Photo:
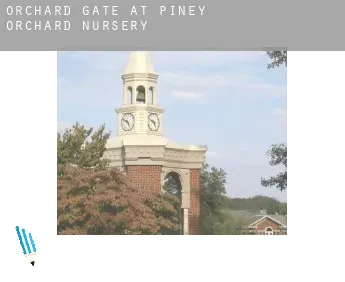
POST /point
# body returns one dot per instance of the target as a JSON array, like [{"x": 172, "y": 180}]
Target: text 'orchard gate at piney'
[{"x": 141, "y": 150}]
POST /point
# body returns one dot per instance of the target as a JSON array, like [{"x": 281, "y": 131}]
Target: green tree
[
  {"x": 278, "y": 156},
  {"x": 213, "y": 199},
  {"x": 277, "y": 153},
  {"x": 227, "y": 224},
  {"x": 82, "y": 146},
  {"x": 172, "y": 186},
  {"x": 255, "y": 204},
  {"x": 283, "y": 209},
  {"x": 277, "y": 58}
]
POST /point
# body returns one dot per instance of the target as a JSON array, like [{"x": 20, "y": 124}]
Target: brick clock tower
[{"x": 141, "y": 150}]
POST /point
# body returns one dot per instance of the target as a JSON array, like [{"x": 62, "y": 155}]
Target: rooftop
[{"x": 139, "y": 62}]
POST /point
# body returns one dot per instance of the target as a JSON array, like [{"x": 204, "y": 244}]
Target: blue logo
[{"x": 29, "y": 248}]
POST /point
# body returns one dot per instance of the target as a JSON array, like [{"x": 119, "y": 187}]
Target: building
[
  {"x": 263, "y": 224},
  {"x": 140, "y": 149}
]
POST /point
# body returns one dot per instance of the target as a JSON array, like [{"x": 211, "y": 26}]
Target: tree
[
  {"x": 213, "y": 217},
  {"x": 227, "y": 224},
  {"x": 95, "y": 202},
  {"x": 282, "y": 209},
  {"x": 172, "y": 186},
  {"x": 256, "y": 204},
  {"x": 278, "y": 153},
  {"x": 213, "y": 199},
  {"x": 278, "y": 156},
  {"x": 82, "y": 146},
  {"x": 278, "y": 58}
]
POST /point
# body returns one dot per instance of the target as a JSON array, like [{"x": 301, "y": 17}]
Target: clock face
[
  {"x": 127, "y": 122},
  {"x": 153, "y": 122}
]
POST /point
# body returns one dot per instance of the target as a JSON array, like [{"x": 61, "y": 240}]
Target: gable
[{"x": 266, "y": 221}]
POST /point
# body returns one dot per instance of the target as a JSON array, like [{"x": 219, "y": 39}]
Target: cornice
[
  {"x": 139, "y": 107},
  {"x": 139, "y": 76}
]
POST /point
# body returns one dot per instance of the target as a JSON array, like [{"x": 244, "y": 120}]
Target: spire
[{"x": 139, "y": 62}]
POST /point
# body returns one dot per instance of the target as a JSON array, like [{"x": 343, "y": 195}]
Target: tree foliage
[
  {"x": 172, "y": 185},
  {"x": 277, "y": 153},
  {"x": 278, "y": 157},
  {"x": 213, "y": 196},
  {"x": 82, "y": 146},
  {"x": 256, "y": 204},
  {"x": 104, "y": 202},
  {"x": 95, "y": 199},
  {"x": 216, "y": 218},
  {"x": 277, "y": 58},
  {"x": 212, "y": 182}
]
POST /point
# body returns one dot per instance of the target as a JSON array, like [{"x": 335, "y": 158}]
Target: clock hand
[
  {"x": 152, "y": 120},
  {"x": 153, "y": 125}
]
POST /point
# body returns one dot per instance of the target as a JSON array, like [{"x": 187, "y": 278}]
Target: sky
[{"x": 228, "y": 101}]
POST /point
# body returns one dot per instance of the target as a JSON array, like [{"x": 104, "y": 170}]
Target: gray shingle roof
[
  {"x": 280, "y": 218},
  {"x": 246, "y": 217}
]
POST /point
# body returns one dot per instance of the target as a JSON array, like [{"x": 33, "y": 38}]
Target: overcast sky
[{"x": 228, "y": 101}]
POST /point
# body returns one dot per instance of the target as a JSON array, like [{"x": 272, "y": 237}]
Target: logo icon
[{"x": 29, "y": 249}]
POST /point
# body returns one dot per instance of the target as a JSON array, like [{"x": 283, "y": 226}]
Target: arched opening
[
  {"x": 172, "y": 184},
  {"x": 129, "y": 95},
  {"x": 141, "y": 95},
  {"x": 150, "y": 96},
  {"x": 268, "y": 231}
]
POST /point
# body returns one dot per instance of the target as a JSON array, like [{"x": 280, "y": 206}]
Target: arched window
[
  {"x": 141, "y": 95},
  {"x": 268, "y": 231},
  {"x": 129, "y": 95},
  {"x": 150, "y": 96}
]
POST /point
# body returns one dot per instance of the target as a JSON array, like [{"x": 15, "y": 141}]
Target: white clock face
[
  {"x": 127, "y": 122},
  {"x": 153, "y": 122}
]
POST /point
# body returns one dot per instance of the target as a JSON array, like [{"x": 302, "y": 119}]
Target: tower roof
[{"x": 139, "y": 62}]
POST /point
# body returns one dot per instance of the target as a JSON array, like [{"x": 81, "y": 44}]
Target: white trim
[
  {"x": 269, "y": 232},
  {"x": 184, "y": 178},
  {"x": 255, "y": 223},
  {"x": 185, "y": 222}
]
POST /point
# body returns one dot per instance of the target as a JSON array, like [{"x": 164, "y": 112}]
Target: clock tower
[
  {"x": 139, "y": 113},
  {"x": 142, "y": 152}
]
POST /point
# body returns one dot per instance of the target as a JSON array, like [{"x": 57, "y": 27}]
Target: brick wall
[
  {"x": 149, "y": 177},
  {"x": 267, "y": 223},
  {"x": 145, "y": 177},
  {"x": 194, "y": 211}
]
